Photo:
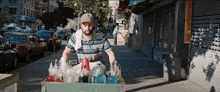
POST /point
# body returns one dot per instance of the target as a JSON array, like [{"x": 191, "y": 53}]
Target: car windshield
[
  {"x": 15, "y": 37},
  {"x": 23, "y": 27}
]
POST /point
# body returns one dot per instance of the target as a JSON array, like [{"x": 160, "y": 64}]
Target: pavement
[{"x": 141, "y": 73}]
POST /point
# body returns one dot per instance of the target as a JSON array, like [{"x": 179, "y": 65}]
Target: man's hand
[
  {"x": 115, "y": 69},
  {"x": 63, "y": 65},
  {"x": 66, "y": 53}
]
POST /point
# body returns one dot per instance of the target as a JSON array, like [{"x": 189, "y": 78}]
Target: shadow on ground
[
  {"x": 136, "y": 66},
  {"x": 150, "y": 86}
]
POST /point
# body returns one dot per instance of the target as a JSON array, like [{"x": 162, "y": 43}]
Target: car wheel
[
  {"x": 42, "y": 53},
  {"x": 27, "y": 57},
  {"x": 15, "y": 63},
  {"x": 54, "y": 47}
]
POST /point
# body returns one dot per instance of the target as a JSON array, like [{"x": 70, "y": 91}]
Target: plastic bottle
[
  {"x": 51, "y": 78},
  {"x": 98, "y": 76},
  {"x": 112, "y": 79}
]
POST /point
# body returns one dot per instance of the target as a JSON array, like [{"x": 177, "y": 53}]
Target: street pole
[
  {"x": 49, "y": 6},
  {"x": 79, "y": 16}
]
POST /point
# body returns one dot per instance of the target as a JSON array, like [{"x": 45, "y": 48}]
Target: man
[{"x": 86, "y": 43}]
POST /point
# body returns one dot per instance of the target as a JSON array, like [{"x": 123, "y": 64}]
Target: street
[
  {"x": 36, "y": 70},
  {"x": 31, "y": 74}
]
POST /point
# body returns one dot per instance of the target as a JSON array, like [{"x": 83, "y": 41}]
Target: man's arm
[
  {"x": 66, "y": 54},
  {"x": 111, "y": 56},
  {"x": 69, "y": 47}
]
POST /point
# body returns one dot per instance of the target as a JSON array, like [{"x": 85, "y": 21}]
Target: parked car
[
  {"x": 25, "y": 29},
  {"x": 26, "y": 45},
  {"x": 12, "y": 27},
  {"x": 53, "y": 40},
  {"x": 8, "y": 57},
  {"x": 64, "y": 34}
]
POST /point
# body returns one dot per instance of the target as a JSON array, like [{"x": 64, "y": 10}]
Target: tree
[
  {"x": 99, "y": 9},
  {"x": 58, "y": 17}
]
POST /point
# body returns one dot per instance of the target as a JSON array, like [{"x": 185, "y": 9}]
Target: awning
[
  {"x": 149, "y": 5},
  {"x": 22, "y": 18}
]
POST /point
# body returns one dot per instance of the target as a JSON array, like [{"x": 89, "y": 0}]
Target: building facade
[
  {"x": 184, "y": 36},
  {"x": 205, "y": 44},
  {"x": 29, "y": 8},
  {"x": 18, "y": 7},
  {"x": 113, "y": 6}
]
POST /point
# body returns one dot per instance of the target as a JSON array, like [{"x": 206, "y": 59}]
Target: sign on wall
[{"x": 112, "y": 3}]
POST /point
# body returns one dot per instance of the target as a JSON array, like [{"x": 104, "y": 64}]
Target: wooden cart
[{"x": 82, "y": 87}]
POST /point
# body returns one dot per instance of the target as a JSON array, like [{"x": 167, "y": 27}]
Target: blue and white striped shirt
[{"x": 91, "y": 49}]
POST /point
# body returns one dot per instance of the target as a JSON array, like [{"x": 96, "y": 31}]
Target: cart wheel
[
  {"x": 15, "y": 63},
  {"x": 27, "y": 57},
  {"x": 42, "y": 53},
  {"x": 54, "y": 47}
]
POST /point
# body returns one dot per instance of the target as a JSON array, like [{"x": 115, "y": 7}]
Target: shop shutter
[{"x": 205, "y": 43}]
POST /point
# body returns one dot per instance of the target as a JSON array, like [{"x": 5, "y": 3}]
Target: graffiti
[
  {"x": 192, "y": 66},
  {"x": 205, "y": 48},
  {"x": 210, "y": 69}
]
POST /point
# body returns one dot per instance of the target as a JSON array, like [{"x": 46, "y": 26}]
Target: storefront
[
  {"x": 205, "y": 44},
  {"x": 163, "y": 27}
]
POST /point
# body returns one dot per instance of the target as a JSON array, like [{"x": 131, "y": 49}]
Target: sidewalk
[{"x": 142, "y": 74}]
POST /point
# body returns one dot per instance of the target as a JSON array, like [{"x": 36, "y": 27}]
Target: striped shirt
[{"x": 91, "y": 49}]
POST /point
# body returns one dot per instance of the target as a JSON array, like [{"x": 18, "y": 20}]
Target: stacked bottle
[
  {"x": 112, "y": 79},
  {"x": 98, "y": 75}
]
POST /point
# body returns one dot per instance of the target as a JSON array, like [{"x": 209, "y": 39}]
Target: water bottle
[
  {"x": 98, "y": 76},
  {"x": 112, "y": 79},
  {"x": 99, "y": 79}
]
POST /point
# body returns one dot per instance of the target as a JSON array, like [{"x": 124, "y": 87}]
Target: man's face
[{"x": 87, "y": 28}]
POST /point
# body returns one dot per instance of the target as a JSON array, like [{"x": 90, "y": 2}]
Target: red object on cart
[
  {"x": 50, "y": 79},
  {"x": 85, "y": 64},
  {"x": 58, "y": 80}
]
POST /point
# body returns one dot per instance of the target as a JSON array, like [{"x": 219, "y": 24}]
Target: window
[
  {"x": 13, "y": 10},
  {"x": 33, "y": 2},
  {"x": 12, "y": 1},
  {"x": 0, "y": 10},
  {"x": 23, "y": 11},
  {"x": 25, "y": 1}
]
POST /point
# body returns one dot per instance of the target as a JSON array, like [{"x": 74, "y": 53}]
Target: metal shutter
[{"x": 205, "y": 43}]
